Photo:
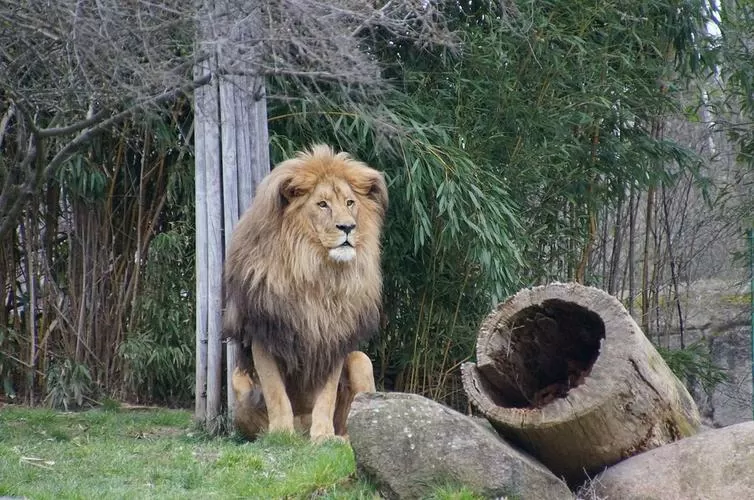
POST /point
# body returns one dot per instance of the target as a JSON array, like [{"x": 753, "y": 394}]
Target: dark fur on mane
[{"x": 308, "y": 363}]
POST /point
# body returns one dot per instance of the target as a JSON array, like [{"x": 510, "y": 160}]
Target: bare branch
[
  {"x": 87, "y": 134},
  {"x": 73, "y": 128},
  {"x": 5, "y": 122}
]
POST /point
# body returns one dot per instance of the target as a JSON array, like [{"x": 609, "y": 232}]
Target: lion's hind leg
[
  {"x": 358, "y": 376},
  {"x": 250, "y": 412}
]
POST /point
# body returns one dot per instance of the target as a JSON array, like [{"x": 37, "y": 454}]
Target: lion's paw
[{"x": 324, "y": 439}]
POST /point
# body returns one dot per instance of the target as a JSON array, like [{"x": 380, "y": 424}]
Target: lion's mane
[{"x": 282, "y": 289}]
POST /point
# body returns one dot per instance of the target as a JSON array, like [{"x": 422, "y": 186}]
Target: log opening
[
  {"x": 552, "y": 349},
  {"x": 564, "y": 372}
]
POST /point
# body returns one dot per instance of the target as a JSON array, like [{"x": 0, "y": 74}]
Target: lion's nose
[{"x": 346, "y": 228}]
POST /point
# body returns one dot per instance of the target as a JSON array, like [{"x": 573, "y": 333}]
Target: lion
[{"x": 303, "y": 288}]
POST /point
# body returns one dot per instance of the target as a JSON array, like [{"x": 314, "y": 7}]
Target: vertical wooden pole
[
  {"x": 232, "y": 158},
  {"x": 245, "y": 154},
  {"x": 200, "y": 118},
  {"x": 213, "y": 181},
  {"x": 231, "y": 166}
]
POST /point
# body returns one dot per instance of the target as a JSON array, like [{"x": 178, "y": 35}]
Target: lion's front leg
[
  {"x": 324, "y": 407},
  {"x": 279, "y": 410}
]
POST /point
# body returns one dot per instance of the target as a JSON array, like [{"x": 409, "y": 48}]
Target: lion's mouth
[{"x": 343, "y": 252}]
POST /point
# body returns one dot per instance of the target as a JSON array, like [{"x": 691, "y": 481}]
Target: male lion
[{"x": 303, "y": 287}]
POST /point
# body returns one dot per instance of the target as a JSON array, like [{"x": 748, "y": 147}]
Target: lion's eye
[
  {"x": 322, "y": 204},
  {"x": 349, "y": 203}
]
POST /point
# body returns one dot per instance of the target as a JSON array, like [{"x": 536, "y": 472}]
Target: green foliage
[
  {"x": 733, "y": 100},
  {"x": 562, "y": 100},
  {"x": 694, "y": 364},
  {"x": 500, "y": 157},
  {"x": 158, "y": 352},
  {"x": 69, "y": 384}
]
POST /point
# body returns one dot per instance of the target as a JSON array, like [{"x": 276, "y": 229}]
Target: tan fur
[
  {"x": 251, "y": 414},
  {"x": 297, "y": 298}
]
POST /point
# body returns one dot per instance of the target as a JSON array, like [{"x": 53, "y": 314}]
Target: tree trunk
[{"x": 565, "y": 372}]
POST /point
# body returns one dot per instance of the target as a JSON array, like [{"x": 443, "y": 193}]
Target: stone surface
[
  {"x": 714, "y": 464},
  {"x": 729, "y": 402},
  {"x": 718, "y": 314},
  {"x": 407, "y": 444}
]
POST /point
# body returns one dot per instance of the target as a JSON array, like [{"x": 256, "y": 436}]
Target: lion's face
[
  {"x": 331, "y": 204},
  {"x": 332, "y": 210}
]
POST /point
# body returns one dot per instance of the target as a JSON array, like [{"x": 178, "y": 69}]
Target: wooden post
[
  {"x": 213, "y": 182},
  {"x": 245, "y": 149},
  {"x": 245, "y": 159},
  {"x": 232, "y": 157},
  {"x": 566, "y": 373},
  {"x": 200, "y": 118}
]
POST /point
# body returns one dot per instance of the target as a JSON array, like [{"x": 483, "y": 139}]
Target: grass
[{"x": 159, "y": 454}]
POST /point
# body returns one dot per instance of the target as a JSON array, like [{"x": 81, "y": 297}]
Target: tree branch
[
  {"x": 87, "y": 134},
  {"x": 70, "y": 129},
  {"x": 4, "y": 123}
]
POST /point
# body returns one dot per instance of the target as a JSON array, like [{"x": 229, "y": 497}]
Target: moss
[{"x": 737, "y": 299}]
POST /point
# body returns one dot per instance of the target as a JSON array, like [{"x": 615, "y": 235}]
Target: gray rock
[
  {"x": 718, "y": 314},
  {"x": 407, "y": 444},
  {"x": 716, "y": 464},
  {"x": 729, "y": 402}
]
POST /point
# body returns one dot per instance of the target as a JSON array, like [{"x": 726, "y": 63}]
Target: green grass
[{"x": 159, "y": 454}]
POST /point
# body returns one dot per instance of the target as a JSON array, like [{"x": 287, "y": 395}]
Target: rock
[
  {"x": 717, "y": 313},
  {"x": 730, "y": 401},
  {"x": 717, "y": 463},
  {"x": 407, "y": 444}
]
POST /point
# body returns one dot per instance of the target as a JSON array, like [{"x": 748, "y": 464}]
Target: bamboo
[{"x": 31, "y": 277}]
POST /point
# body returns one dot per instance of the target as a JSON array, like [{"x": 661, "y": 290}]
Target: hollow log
[{"x": 564, "y": 372}]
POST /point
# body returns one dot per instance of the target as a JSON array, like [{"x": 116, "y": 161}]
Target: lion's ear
[
  {"x": 289, "y": 190},
  {"x": 378, "y": 190},
  {"x": 276, "y": 191}
]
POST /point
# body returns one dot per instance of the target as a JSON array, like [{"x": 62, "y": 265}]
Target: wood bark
[
  {"x": 200, "y": 394},
  {"x": 566, "y": 373},
  {"x": 245, "y": 159},
  {"x": 232, "y": 157}
]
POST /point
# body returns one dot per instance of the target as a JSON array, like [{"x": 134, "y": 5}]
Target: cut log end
[
  {"x": 564, "y": 371},
  {"x": 550, "y": 350}
]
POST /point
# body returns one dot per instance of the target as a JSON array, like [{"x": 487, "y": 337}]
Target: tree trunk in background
[
  {"x": 566, "y": 373},
  {"x": 232, "y": 157}
]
